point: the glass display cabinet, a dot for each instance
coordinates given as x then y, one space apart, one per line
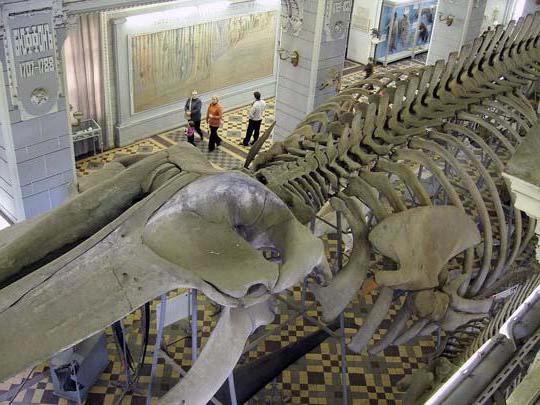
87 129
405 28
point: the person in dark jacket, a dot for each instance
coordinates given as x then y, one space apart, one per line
193 111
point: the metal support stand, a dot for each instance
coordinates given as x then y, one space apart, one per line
157 346
232 389
158 352
342 316
194 308
274 389
73 371
124 355
130 385
314 321
174 365
304 282
301 310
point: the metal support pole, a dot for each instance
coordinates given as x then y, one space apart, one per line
124 355
129 384
73 371
342 315
303 296
411 195
176 367
274 389
159 337
232 389
309 318
27 382
339 252
194 346
420 169
304 282
343 360
447 174
292 319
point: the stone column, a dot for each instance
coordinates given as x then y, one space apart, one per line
523 175
37 165
317 30
466 17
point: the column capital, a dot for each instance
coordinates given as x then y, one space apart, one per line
119 21
292 16
72 21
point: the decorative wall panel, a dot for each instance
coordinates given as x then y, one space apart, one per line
167 65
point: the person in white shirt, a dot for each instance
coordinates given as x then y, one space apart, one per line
256 113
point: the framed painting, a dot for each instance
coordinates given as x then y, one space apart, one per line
167 65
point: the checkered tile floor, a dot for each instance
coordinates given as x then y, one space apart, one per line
231 154
314 379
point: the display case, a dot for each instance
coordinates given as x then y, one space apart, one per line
87 129
405 28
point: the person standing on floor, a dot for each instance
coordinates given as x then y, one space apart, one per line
214 118
369 69
192 110
190 132
256 113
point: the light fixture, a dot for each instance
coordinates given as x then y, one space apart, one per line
448 19
292 56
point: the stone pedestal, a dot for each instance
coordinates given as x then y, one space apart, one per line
523 175
36 154
317 30
466 18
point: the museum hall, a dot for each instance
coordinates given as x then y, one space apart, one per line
267 202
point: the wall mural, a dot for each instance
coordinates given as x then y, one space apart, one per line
167 65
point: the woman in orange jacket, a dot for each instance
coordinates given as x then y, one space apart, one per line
214 117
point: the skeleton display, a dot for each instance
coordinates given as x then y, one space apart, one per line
414 166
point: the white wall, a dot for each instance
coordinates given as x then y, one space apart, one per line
3 223
322 54
129 126
495 13
530 7
365 16
476 18
467 25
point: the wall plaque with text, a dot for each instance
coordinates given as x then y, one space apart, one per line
33 65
